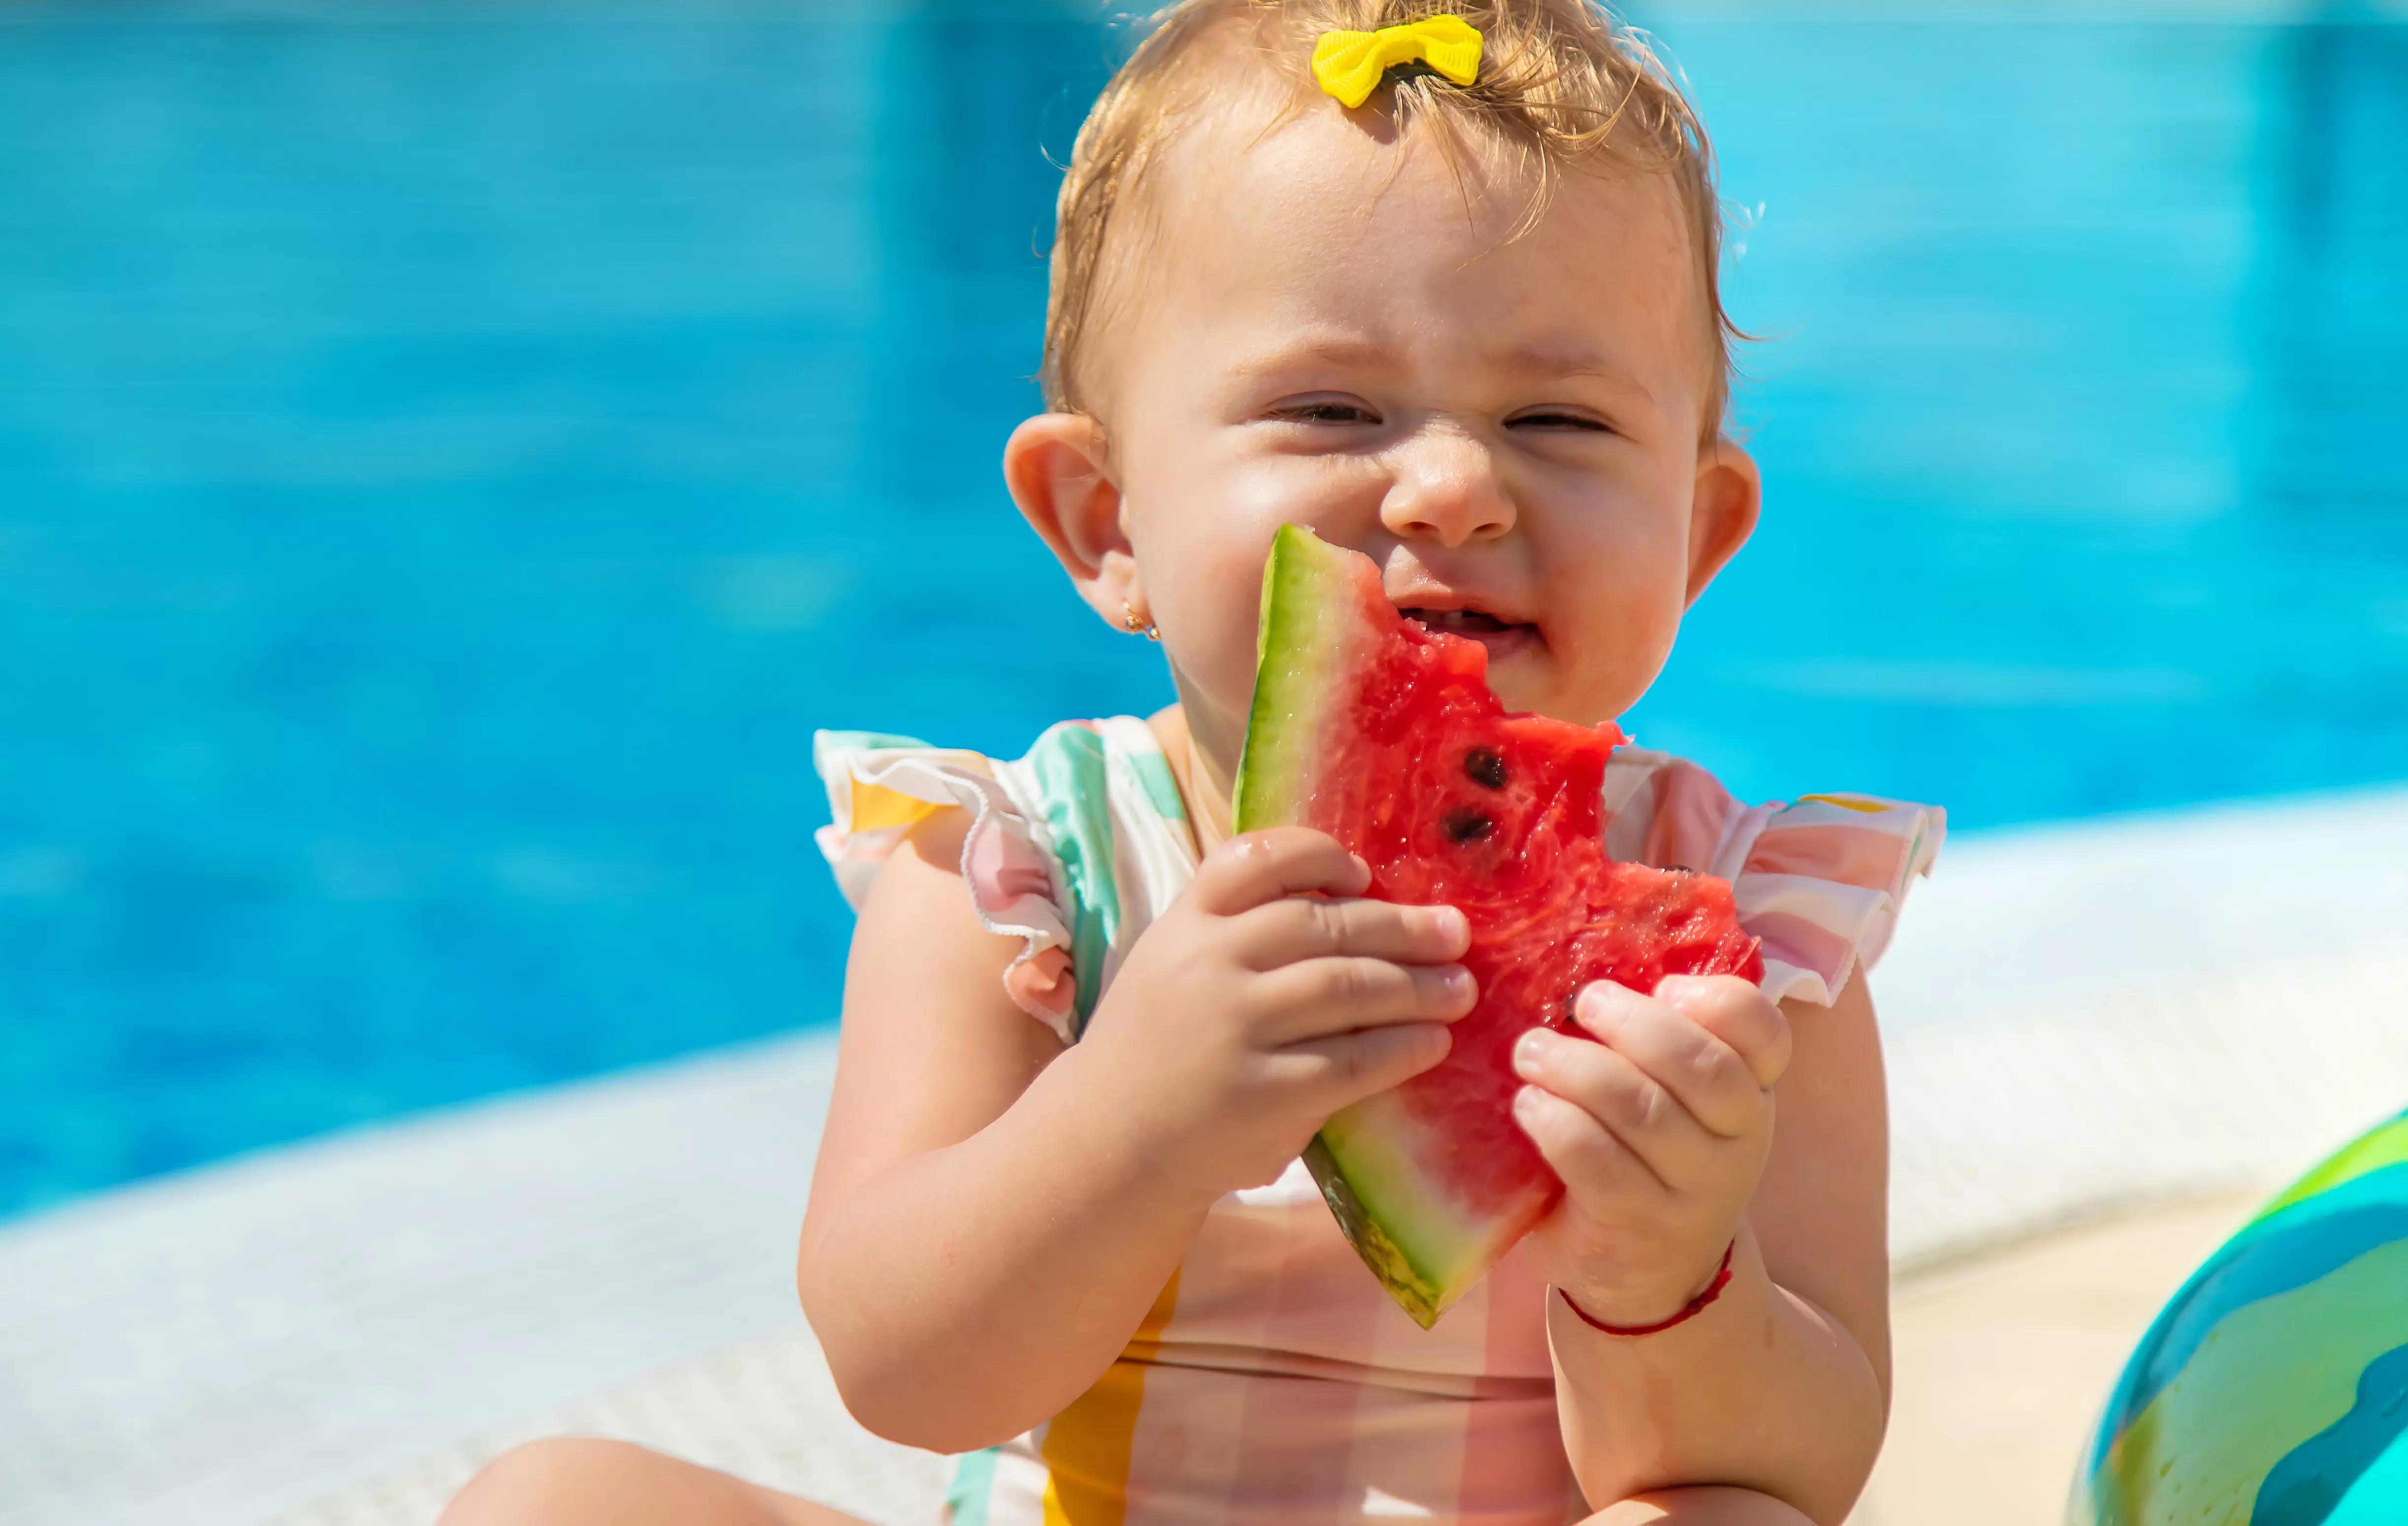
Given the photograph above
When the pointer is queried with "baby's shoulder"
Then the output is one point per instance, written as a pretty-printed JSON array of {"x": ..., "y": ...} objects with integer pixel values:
[
  {"x": 1082, "y": 786},
  {"x": 1066, "y": 848},
  {"x": 1819, "y": 879}
]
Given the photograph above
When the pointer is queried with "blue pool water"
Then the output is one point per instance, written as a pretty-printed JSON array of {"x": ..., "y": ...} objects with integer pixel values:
[{"x": 451, "y": 458}]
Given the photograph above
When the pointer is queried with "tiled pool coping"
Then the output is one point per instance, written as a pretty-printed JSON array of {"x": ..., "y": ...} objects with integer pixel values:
[{"x": 2079, "y": 1018}]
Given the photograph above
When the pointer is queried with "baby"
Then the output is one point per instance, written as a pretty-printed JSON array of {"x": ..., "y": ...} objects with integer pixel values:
[{"x": 1442, "y": 289}]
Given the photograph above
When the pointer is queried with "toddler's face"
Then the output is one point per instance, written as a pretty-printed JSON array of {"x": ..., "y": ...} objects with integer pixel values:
[{"x": 1332, "y": 330}]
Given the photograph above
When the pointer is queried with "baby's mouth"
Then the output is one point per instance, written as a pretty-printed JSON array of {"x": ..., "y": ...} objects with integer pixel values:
[{"x": 1502, "y": 637}]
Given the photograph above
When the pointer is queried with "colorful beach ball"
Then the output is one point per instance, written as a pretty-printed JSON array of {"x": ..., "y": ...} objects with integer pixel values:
[{"x": 2273, "y": 1390}]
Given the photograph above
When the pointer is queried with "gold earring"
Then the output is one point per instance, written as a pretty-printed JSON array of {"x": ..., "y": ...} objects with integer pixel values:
[{"x": 1134, "y": 626}]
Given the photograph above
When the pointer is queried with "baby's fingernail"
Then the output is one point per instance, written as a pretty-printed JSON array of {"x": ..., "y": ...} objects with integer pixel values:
[
  {"x": 1450, "y": 922},
  {"x": 1525, "y": 1101},
  {"x": 1531, "y": 1047},
  {"x": 1592, "y": 1004}
]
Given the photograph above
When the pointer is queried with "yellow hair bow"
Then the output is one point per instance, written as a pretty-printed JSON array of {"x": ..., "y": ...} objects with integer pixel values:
[{"x": 1350, "y": 65}]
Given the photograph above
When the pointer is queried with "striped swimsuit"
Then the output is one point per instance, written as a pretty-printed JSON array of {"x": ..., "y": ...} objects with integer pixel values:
[{"x": 1274, "y": 1381}]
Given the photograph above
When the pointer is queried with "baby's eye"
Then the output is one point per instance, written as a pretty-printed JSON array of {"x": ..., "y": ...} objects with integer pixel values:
[
  {"x": 1558, "y": 419},
  {"x": 1325, "y": 411}
]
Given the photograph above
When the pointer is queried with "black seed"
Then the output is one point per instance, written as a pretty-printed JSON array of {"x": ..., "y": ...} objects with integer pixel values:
[
  {"x": 1485, "y": 767},
  {"x": 1463, "y": 826}
]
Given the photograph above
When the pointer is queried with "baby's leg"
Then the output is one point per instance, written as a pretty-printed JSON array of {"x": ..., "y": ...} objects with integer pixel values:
[
  {"x": 1714, "y": 1507},
  {"x": 579, "y": 1481}
]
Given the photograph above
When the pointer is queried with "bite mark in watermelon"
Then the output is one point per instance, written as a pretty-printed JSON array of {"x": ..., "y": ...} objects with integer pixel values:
[{"x": 1387, "y": 737}]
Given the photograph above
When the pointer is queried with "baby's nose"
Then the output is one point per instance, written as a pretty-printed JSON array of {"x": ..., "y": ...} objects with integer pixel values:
[{"x": 1446, "y": 488}]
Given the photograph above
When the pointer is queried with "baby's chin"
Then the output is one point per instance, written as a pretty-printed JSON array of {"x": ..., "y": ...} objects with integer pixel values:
[
  {"x": 1527, "y": 679},
  {"x": 1524, "y": 678}
]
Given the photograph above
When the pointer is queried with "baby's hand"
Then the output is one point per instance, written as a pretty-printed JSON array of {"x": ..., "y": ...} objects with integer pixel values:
[
  {"x": 1659, "y": 1132},
  {"x": 1256, "y": 1007}
]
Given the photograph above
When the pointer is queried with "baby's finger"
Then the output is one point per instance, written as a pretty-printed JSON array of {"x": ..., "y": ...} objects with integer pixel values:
[
  {"x": 1707, "y": 1075},
  {"x": 1262, "y": 867},
  {"x": 1315, "y": 927},
  {"x": 1736, "y": 1012},
  {"x": 1633, "y": 1107},
  {"x": 1343, "y": 1069},
  {"x": 1595, "y": 1167},
  {"x": 1317, "y": 997}
]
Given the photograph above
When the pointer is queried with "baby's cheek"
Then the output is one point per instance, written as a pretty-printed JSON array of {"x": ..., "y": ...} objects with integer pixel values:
[
  {"x": 1215, "y": 648},
  {"x": 1200, "y": 544},
  {"x": 1617, "y": 647},
  {"x": 1204, "y": 599}
]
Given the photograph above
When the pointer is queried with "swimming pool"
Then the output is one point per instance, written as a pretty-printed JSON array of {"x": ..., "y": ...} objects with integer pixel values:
[{"x": 451, "y": 460}]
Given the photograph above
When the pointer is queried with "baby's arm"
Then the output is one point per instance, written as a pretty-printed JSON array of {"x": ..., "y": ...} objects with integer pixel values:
[
  {"x": 993, "y": 1215},
  {"x": 1782, "y": 1384}
]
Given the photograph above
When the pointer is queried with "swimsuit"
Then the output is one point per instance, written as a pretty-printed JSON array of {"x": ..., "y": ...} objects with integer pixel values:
[{"x": 1274, "y": 1381}]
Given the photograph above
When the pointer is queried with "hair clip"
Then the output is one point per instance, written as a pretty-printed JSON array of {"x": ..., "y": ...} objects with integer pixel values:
[{"x": 1350, "y": 65}]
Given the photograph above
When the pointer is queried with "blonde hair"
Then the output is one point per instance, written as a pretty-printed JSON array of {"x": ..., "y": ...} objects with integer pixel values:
[{"x": 1561, "y": 83}]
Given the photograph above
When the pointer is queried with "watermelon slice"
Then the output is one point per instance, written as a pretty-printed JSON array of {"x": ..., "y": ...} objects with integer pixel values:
[{"x": 1387, "y": 737}]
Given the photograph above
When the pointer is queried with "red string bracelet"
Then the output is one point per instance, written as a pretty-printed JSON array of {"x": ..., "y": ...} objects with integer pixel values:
[{"x": 1689, "y": 1310}]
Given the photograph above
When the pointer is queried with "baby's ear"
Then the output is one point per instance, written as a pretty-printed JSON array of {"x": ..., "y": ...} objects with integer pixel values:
[
  {"x": 1722, "y": 510},
  {"x": 1060, "y": 474}
]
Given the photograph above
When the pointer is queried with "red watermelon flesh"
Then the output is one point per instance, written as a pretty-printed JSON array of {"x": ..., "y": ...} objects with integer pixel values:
[{"x": 1387, "y": 737}]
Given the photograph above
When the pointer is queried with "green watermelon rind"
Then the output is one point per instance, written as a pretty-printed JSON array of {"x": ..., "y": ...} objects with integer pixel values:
[
  {"x": 1424, "y": 1255},
  {"x": 1297, "y": 649},
  {"x": 1415, "y": 1292},
  {"x": 1381, "y": 1200}
]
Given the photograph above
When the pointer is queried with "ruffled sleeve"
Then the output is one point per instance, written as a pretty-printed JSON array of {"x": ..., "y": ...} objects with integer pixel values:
[
  {"x": 881, "y": 787},
  {"x": 1820, "y": 880}
]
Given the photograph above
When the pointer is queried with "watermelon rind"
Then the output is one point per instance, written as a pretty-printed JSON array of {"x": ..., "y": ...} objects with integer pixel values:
[
  {"x": 1309, "y": 633},
  {"x": 1418, "y": 1294},
  {"x": 1303, "y": 640},
  {"x": 1425, "y": 1256}
]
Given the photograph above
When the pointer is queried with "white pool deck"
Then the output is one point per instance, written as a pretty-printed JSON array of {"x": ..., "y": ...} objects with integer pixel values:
[{"x": 2081, "y": 1019}]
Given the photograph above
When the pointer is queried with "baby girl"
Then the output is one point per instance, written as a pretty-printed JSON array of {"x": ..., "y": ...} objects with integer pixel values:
[{"x": 1442, "y": 288}]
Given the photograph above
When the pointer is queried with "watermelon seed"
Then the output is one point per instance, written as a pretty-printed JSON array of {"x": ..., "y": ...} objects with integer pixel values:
[
  {"x": 1463, "y": 826},
  {"x": 1485, "y": 767}
]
